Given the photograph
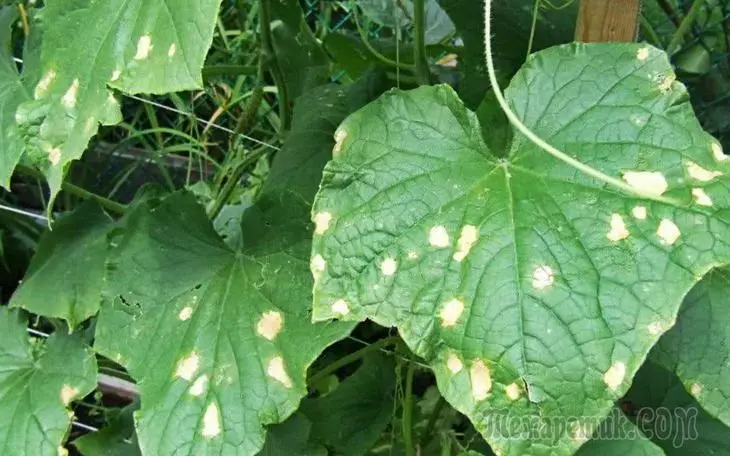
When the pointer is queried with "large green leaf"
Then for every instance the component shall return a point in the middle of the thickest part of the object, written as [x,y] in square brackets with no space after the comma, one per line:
[218,340]
[618,435]
[116,439]
[350,419]
[292,437]
[134,46]
[14,90]
[37,383]
[696,348]
[512,22]
[400,14]
[66,276]
[531,288]
[667,414]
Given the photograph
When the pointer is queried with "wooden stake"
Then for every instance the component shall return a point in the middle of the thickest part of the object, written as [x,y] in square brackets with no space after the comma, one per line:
[607,20]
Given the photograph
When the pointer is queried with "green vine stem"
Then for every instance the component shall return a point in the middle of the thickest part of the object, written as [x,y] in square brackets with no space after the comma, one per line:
[272,64]
[427,435]
[351,358]
[684,26]
[225,193]
[407,417]
[419,45]
[111,206]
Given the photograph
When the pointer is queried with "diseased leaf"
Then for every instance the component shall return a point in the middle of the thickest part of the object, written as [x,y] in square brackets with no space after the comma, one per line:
[350,419]
[671,418]
[236,324]
[136,47]
[66,276]
[696,348]
[532,289]
[37,383]
[617,435]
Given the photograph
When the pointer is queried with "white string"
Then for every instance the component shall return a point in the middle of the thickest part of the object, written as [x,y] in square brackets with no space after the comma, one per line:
[23,212]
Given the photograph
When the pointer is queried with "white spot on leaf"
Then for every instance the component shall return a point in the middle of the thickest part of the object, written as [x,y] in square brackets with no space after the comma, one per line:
[388,267]
[187,366]
[270,324]
[144,46]
[171,50]
[701,197]
[454,364]
[642,54]
[615,374]
[701,174]
[696,389]
[68,393]
[69,98]
[276,370]
[44,83]
[211,421]
[717,151]
[322,222]
[340,136]
[199,385]
[115,75]
[481,380]
[54,155]
[543,277]
[654,328]
[340,307]
[451,311]
[512,391]
[651,183]
[317,264]
[665,85]
[639,212]
[185,313]
[412,255]
[438,237]
[618,229]
[467,239]
[668,231]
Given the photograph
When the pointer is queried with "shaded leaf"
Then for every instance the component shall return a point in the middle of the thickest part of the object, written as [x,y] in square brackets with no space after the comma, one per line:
[533,290]
[696,348]
[292,437]
[37,382]
[66,276]
[136,47]
[117,439]
[618,435]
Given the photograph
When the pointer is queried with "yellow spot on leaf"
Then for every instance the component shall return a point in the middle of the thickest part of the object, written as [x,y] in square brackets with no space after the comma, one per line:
[642,54]
[388,267]
[668,231]
[187,366]
[481,380]
[276,370]
[270,324]
[451,311]
[115,75]
[144,46]
[651,183]
[44,83]
[171,50]
[615,374]
[512,391]
[665,85]
[412,255]
[69,98]
[701,174]
[322,222]
[185,313]
[317,264]
[618,229]
[438,237]
[54,155]
[717,151]
[655,328]
[340,136]
[701,197]
[467,239]
[543,277]
[454,364]
[639,212]
[211,421]
[68,393]
[696,389]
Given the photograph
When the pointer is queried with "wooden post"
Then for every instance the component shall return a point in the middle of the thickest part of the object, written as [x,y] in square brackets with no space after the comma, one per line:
[607,20]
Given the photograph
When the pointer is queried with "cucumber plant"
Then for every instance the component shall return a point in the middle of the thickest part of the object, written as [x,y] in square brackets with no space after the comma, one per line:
[536,272]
